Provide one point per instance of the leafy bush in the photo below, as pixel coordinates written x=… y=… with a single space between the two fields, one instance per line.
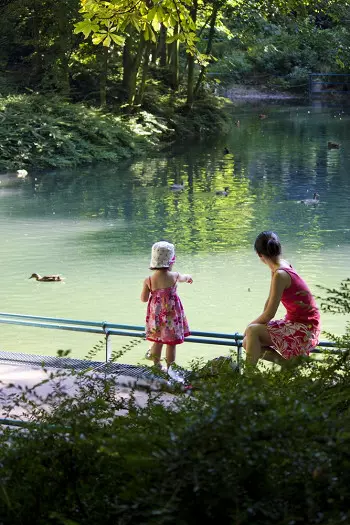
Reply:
x=264 y=447
x=287 y=51
x=256 y=448
x=45 y=132
x=233 y=66
x=53 y=133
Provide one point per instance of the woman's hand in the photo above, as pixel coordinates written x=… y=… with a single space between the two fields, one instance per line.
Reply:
x=189 y=279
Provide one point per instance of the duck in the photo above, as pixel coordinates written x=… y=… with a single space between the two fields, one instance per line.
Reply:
x=333 y=145
x=223 y=192
x=21 y=174
x=46 y=278
x=262 y=116
x=314 y=200
x=178 y=187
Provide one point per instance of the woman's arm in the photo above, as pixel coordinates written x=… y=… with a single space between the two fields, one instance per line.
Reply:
x=280 y=281
x=145 y=291
x=185 y=278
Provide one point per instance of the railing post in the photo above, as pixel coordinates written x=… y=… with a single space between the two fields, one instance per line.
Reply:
x=108 y=342
x=239 y=354
x=310 y=86
x=239 y=348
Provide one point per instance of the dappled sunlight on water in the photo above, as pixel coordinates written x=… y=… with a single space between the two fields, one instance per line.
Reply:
x=95 y=226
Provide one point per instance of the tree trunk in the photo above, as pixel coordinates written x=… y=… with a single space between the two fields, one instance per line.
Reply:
x=141 y=90
x=36 y=40
x=174 y=61
x=131 y=65
x=162 y=46
x=103 y=77
x=154 y=53
x=190 y=73
x=63 y=45
x=127 y=62
x=209 y=44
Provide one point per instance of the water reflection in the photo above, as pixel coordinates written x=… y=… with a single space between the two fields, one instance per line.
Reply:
x=104 y=213
x=272 y=164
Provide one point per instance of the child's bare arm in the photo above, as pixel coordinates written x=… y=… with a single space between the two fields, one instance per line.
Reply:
x=185 y=278
x=145 y=291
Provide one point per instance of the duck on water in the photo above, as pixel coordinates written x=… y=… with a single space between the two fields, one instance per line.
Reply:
x=314 y=200
x=178 y=187
x=46 y=278
x=223 y=192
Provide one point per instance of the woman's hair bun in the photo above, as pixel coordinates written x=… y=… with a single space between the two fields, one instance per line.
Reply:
x=268 y=244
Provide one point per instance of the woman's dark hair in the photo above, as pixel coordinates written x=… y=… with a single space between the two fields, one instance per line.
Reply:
x=268 y=244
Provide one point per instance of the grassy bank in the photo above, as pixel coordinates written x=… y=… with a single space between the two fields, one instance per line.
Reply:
x=42 y=132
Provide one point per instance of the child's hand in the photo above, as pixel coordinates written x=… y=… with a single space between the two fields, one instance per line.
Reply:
x=189 y=279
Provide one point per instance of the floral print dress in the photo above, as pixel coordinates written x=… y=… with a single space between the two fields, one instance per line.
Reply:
x=298 y=333
x=166 y=320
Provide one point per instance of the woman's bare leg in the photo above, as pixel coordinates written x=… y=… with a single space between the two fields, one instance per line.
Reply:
x=156 y=352
x=256 y=338
x=271 y=355
x=170 y=354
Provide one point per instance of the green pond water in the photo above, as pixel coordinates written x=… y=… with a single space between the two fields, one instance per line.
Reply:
x=95 y=226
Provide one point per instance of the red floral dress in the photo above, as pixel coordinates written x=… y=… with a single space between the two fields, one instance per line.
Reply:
x=166 y=320
x=298 y=333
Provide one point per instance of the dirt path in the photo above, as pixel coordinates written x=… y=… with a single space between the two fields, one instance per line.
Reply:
x=16 y=378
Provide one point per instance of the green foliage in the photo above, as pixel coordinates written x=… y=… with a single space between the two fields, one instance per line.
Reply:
x=283 y=48
x=53 y=133
x=46 y=133
x=337 y=301
x=209 y=115
x=256 y=448
x=234 y=66
x=105 y=20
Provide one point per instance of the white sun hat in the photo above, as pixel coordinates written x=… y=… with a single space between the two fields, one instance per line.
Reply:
x=163 y=255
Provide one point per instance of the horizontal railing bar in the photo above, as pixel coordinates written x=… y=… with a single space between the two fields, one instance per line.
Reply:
x=321 y=350
x=235 y=337
x=211 y=341
x=126 y=332
x=55 y=326
x=330 y=92
x=329 y=74
x=112 y=326
x=55 y=319
x=32 y=424
x=121 y=329
x=75 y=321
x=325 y=83
x=16 y=423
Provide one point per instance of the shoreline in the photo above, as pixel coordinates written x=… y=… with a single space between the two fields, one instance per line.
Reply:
x=56 y=133
x=240 y=92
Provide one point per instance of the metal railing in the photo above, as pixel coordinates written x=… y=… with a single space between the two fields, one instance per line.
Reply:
x=109 y=329
x=323 y=84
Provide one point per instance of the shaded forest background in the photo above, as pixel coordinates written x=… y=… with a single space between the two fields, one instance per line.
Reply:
x=140 y=71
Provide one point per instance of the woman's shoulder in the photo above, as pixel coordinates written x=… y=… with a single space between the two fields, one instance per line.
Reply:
x=283 y=275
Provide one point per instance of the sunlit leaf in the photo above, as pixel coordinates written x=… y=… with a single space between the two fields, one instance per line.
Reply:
x=119 y=40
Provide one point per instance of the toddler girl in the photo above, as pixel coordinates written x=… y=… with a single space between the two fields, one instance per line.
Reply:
x=166 y=322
